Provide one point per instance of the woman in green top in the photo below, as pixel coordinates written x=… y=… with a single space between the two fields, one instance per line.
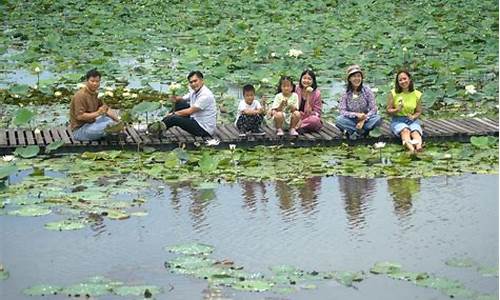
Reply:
x=404 y=103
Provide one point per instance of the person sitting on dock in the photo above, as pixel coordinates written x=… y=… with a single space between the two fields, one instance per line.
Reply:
x=195 y=112
x=358 y=111
x=309 y=103
x=286 y=101
x=250 y=113
x=404 y=103
x=89 y=116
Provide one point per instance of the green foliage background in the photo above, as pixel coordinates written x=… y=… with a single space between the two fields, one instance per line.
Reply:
x=450 y=43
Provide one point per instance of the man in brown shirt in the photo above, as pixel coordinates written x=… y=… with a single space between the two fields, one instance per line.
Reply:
x=89 y=116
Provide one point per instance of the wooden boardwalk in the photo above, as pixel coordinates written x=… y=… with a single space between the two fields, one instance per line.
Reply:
x=450 y=129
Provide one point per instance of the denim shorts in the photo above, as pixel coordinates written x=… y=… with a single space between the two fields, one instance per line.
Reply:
x=400 y=123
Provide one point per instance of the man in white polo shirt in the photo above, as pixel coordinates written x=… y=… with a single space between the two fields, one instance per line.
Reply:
x=196 y=111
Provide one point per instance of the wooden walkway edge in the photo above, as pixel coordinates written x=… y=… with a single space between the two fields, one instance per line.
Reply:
x=330 y=135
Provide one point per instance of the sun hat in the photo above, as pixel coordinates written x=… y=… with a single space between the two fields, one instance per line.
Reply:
x=354 y=69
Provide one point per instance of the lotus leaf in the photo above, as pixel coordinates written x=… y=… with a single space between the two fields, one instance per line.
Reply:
x=488 y=271
x=189 y=262
x=117 y=215
x=4 y=274
x=30 y=211
x=145 y=107
x=115 y=128
x=408 y=276
x=191 y=249
x=23 y=116
x=347 y=278
x=28 y=151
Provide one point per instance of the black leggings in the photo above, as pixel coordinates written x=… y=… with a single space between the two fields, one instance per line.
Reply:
x=187 y=123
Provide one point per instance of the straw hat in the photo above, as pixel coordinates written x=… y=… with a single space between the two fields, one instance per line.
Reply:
x=354 y=69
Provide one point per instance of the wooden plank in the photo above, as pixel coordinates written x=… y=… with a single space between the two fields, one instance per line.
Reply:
x=46 y=136
x=470 y=128
x=225 y=135
x=385 y=129
x=478 y=127
x=55 y=134
x=456 y=129
x=174 y=132
x=70 y=134
x=234 y=134
x=64 y=135
x=30 y=137
x=437 y=127
x=20 y=137
x=270 y=132
x=493 y=122
x=188 y=137
x=133 y=134
x=450 y=129
x=12 y=137
x=333 y=130
x=3 y=137
x=487 y=122
x=324 y=134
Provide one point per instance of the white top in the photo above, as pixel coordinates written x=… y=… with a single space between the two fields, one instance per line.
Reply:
x=205 y=101
x=292 y=100
x=243 y=106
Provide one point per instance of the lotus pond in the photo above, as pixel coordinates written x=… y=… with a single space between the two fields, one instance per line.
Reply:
x=343 y=222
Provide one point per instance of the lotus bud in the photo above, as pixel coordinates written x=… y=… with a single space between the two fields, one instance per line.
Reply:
x=379 y=145
x=37 y=70
x=58 y=94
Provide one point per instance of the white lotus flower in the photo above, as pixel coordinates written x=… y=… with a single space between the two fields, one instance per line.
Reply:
x=174 y=86
x=295 y=53
x=375 y=90
x=309 y=89
x=273 y=54
x=447 y=156
x=37 y=70
x=232 y=146
x=108 y=93
x=100 y=95
x=374 y=46
x=126 y=94
x=8 y=158
x=58 y=94
x=405 y=49
x=212 y=142
x=109 y=89
x=379 y=145
x=35 y=87
x=470 y=89
x=264 y=80
x=37 y=131
x=134 y=96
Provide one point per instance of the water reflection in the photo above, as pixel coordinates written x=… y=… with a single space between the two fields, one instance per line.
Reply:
x=249 y=193
x=355 y=192
x=402 y=191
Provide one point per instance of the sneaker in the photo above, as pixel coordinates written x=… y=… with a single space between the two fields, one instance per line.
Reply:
x=354 y=136
x=293 y=132
x=242 y=134
x=279 y=132
x=258 y=131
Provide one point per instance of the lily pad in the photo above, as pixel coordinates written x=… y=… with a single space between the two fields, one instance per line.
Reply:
x=253 y=285
x=88 y=289
x=30 y=211
x=385 y=267
x=460 y=262
x=488 y=271
x=54 y=146
x=139 y=290
x=191 y=249
x=65 y=225
x=28 y=151
x=145 y=107
x=42 y=290
x=189 y=262
x=4 y=274
x=6 y=171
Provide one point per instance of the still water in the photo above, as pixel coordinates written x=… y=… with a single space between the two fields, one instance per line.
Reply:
x=331 y=223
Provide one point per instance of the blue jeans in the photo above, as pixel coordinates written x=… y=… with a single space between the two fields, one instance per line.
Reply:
x=93 y=131
x=398 y=123
x=349 y=124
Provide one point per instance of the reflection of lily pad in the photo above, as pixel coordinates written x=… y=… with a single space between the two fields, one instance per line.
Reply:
x=30 y=211
x=42 y=290
x=191 y=249
x=65 y=225
x=385 y=267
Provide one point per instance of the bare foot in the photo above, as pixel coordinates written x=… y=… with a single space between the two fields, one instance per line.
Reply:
x=360 y=124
